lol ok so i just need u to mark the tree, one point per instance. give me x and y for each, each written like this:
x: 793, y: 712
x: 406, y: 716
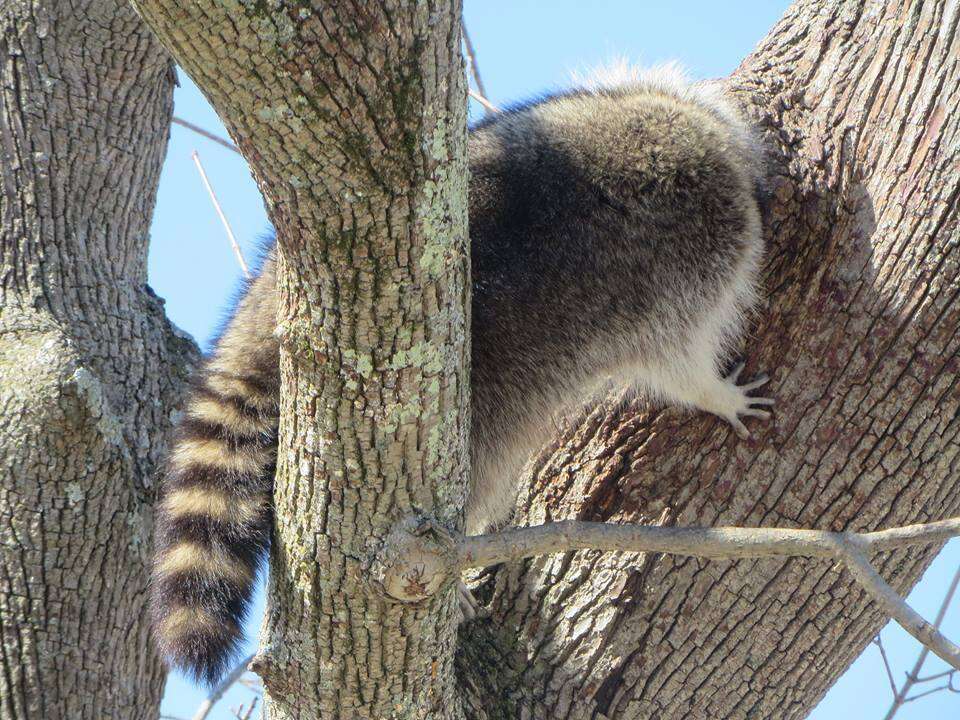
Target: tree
x: 351, y: 115
x: 859, y: 103
x: 90, y: 370
x: 353, y: 118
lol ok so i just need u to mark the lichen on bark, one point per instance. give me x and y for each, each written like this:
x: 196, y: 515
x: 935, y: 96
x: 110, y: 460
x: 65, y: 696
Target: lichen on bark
x: 336, y: 109
x: 90, y: 370
x: 353, y: 118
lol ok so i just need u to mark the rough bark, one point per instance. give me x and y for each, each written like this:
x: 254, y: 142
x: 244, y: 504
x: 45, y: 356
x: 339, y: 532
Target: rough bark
x: 860, y: 104
x: 89, y: 368
x: 353, y: 116
x: 353, y: 129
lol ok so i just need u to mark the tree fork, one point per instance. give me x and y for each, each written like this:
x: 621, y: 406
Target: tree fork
x: 859, y: 106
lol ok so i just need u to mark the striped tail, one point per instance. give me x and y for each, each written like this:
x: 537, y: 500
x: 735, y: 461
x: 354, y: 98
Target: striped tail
x: 214, y: 515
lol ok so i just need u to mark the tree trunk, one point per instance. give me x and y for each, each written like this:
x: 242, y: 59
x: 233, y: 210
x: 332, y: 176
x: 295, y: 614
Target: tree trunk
x: 353, y: 118
x: 860, y: 104
x: 89, y: 368
x: 350, y: 118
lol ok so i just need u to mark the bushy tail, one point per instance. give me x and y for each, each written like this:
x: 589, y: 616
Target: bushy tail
x: 214, y: 514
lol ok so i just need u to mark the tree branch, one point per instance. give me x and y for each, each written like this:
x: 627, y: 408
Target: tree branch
x: 480, y: 95
x: 489, y: 106
x: 886, y: 664
x: 723, y: 543
x: 728, y: 544
x: 205, y: 133
x: 238, y: 253
x: 472, y: 60
x: 90, y: 368
x: 218, y: 692
x: 901, y: 696
x: 352, y: 117
x: 896, y: 607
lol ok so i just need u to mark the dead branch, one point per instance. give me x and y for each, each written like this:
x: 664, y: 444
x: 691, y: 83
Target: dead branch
x: 849, y: 548
x: 206, y: 133
x: 223, y: 218
x: 218, y: 692
x: 886, y: 664
x: 900, y: 697
x: 483, y: 101
x: 718, y: 543
x: 474, y: 69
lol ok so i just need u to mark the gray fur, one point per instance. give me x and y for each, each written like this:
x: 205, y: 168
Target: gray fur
x: 614, y: 232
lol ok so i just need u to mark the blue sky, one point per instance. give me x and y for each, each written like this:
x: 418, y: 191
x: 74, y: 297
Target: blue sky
x: 524, y: 47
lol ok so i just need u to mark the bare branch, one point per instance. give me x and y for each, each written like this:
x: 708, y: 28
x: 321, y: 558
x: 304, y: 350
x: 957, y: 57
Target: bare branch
x: 206, y: 133
x: 948, y: 687
x: 900, y: 697
x: 931, y: 678
x: 483, y: 101
x: 931, y: 691
x: 730, y: 543
x: 241, y: 715
x: 886, y: 664
x: 223, y: 218
x: 474, y: 68
x: 214, y: 697
x: 934, y: 532
x: 718, y: 543
x: 894, y: 606
x: 252, y: 685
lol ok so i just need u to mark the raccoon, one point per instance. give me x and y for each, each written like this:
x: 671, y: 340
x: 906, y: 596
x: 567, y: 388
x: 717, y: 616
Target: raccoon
x: 614, y: 231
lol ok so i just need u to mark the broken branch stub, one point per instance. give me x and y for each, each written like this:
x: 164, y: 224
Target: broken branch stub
x: 417, y: 559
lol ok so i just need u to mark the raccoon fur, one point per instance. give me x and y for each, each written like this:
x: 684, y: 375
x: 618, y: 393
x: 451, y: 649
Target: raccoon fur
x: 614, y: 231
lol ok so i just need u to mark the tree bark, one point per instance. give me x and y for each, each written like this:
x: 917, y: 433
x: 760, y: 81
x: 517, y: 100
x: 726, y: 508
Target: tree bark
x: 89, y: 368
x: 353, y: 118
x: 860, y: 105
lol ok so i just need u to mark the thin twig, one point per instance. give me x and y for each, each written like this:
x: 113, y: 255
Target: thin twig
x: 729, y: 543
x: 886, y: 664
x: 206, y: 133
x: 223, y: 218
x: 924, y: 533
x: 252, y: 685
x: 214, y: 697
x: 930, y: 678
x: 483, y: 101
x: 913, y: 677
x: 248, y: 714
x: 895, y: 607
x: 931, y: 691
x: 474, y: 68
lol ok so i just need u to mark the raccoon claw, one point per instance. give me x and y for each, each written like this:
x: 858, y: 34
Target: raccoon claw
x: 736, y: 403
x: 735, y: 373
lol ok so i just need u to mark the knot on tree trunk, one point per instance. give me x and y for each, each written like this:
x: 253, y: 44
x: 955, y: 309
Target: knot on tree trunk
x: 415, y: 561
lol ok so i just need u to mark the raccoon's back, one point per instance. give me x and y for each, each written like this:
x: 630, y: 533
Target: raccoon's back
x: 595, y: 208
x: 604, y: 225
